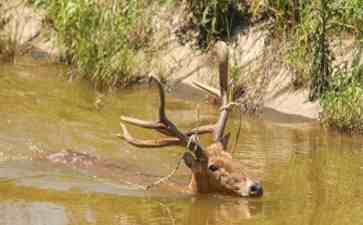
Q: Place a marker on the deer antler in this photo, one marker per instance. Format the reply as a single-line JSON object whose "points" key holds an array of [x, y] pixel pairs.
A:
{"points": [[211, 90], [165, 126], [221, 52], [148, 143], [160, 127], [161, 142]]}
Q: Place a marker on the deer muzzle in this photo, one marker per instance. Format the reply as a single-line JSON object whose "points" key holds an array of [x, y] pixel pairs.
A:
{"points": [[248, 188], [255, 190]]}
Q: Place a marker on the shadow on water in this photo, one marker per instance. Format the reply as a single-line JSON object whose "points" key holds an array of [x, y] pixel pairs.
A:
{"points": [[310, 176]]}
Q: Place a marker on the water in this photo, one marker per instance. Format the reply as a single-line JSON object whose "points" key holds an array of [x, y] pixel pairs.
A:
{"points": [[310, 175]]}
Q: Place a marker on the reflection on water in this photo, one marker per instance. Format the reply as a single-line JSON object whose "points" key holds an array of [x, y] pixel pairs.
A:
{"points": [[75, 207], [310, 176], [39, 213]]}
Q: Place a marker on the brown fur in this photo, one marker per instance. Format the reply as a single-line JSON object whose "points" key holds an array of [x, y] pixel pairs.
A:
{"points": [[227, 179]]}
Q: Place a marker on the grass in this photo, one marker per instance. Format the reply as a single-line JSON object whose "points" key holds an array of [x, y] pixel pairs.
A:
{"points": [[8, 43], [104, 40], [107, 41], [309, 28], [216, 19], [342, 104]]}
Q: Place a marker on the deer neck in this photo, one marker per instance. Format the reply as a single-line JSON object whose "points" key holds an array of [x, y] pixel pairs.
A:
{"points": [[199, 182]]}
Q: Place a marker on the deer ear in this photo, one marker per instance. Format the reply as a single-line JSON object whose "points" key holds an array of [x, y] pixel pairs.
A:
{"points": [[188, 159], [224, 141]]}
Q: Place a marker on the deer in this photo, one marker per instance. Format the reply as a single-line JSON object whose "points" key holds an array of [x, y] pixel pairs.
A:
{"points": [[212, 168]]}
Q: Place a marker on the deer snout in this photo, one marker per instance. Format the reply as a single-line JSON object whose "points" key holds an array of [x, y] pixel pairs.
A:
{"points": [[255, 190], [249, 188]]}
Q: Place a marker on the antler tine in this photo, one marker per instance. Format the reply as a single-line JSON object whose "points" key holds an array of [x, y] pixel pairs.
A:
{"points": [[171, 128], [165, 126], [162, 115], [158, 125], [221, 51], [142, 123], [163, 142], [206, 129], [210, 90]]}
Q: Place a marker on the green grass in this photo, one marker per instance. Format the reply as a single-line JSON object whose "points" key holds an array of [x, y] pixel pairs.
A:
{"points": [[342, 104], [216, 19], [7, 42], [107, 42], [103, 40]]}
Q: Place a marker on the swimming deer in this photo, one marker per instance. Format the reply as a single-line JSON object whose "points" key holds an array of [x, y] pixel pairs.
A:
{"points": [[212, 168]]}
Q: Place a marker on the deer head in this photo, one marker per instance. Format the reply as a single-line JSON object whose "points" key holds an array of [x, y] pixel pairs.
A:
{"points": [[213, 169]]}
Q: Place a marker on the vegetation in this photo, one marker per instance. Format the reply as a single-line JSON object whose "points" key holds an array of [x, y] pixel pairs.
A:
{"points": [[321, 66], [338, 87], [306, 30], [109, 42], [342, 103], [216, 19], [103, 40], [310, 28], [7, 42]]}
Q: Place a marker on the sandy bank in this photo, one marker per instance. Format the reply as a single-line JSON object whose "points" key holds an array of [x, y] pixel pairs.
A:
{"points": [[266, 79]]}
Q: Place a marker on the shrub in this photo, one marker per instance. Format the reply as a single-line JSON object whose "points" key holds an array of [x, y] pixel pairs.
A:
{"points": [[343, 104], [8, 42], [322, 59], [303, 24], [216, 19], [101, 39]]}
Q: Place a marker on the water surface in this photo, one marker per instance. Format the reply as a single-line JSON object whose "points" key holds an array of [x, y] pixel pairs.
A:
{"points": [[310, 175]]}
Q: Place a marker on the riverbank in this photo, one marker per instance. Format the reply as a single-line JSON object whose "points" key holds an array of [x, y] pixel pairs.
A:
{"points": [[257, 62]]}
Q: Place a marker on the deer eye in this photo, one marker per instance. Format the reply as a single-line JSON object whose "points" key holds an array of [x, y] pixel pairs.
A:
{"points": [[213, 168]]}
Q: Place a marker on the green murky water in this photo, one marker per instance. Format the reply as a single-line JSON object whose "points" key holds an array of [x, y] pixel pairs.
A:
{"points": [[310, 176]]}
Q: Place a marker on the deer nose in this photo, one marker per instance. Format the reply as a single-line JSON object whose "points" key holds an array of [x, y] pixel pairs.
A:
{"points": [[256, 190]]}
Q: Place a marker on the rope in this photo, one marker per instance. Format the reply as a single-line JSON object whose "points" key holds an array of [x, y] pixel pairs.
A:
{"points": [[195, 139], [159, 181], [167, 177]]}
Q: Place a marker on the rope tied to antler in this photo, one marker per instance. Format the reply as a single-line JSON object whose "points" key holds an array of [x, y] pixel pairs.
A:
{"points": [[194, 138]]}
